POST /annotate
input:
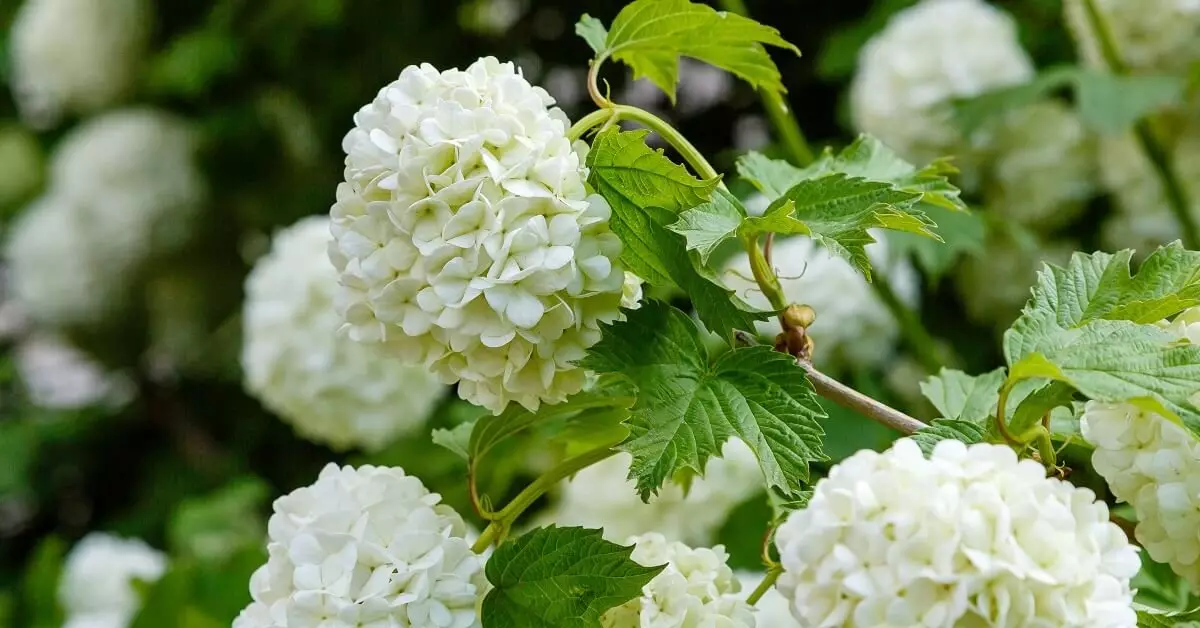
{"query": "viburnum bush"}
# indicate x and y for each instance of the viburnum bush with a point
(483, 235)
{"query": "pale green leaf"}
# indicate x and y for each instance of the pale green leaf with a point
(647, 192)
(1100, 286)
(456, 439)
(948, 429)
(1111, 103)
(560, 578)
(963, 397)
(709, 224)
(963, 233)
(651, 35)
(593, 32)
(687, 406)
(1148, 617)
(972, 113)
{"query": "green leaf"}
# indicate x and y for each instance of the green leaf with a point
(214, 526)
(1100, 286)
(961, 397)
(948, 429)
(1118, 361)
(1110, 103)
(963, 233)
(456, 439)
(560, 578)
(1156, 618)
(687, 407)
(709, 224)
(39, 586)
(647, 192)
(1030, 406)
(194, 61)
(651, 35)
(593, 32)
(972, 113)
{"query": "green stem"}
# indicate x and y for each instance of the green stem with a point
(504, 519)
(672, 136)
(764, 586)
(1157, 154)
(918, 339)
(764, 275)
(590, 121)
(777, 108)
(1001, 410)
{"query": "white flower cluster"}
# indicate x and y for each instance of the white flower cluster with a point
(97, 585)
(1143, 219)
(59, 376)
(366, 546)
(123, 189)
(332, 389)
(853, 326)
(75, 55)
(696, 589)
(927, 56)
(1042, 167)
(1153, 36)
(466, 239)
(967, 537)
(1153, 464)
(772, 610)
(602, 496)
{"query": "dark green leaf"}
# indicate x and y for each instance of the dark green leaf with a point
(215, 526)
(560, 578)
(40, 583)
(687, 407)
(593, 32)
(193, 61)
(651, 35)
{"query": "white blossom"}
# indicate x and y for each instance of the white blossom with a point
(927, 56)
(853, 327)
(1143, 219)
(466, 239)
(997, 283)
(96, 589)
(697, 589)
(772, 610)
(123, 190)
(59, 376)
(332, 389)
(1153, 36)
(967, 537)
(75, 56)
(1043, 166)
(366, 546)
(1153, 464)
(602, 496)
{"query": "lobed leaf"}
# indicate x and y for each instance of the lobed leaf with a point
(948, 429)
(961, 397)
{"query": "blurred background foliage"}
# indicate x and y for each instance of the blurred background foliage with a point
(189, 462)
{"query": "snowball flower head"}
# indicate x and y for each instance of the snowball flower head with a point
(75, 55)
(602, 496)
(1153, 464)
(366, 546)
(853, 327)
(1043, 165)
(696, 589)
(123, 190)
(927, 56)
(772, 610)
(97, 585)
(967, 537)
(466, 239)
(332, 389)
(1154, 36)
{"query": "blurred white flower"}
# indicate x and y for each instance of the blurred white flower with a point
(59, 376)
(602, 496)
(853, 327)
(996, 283)
(1043, 166)
(927, 56)
(1143, 219)
(75, 56)
(1153, 464)
(772, 610)
(465, 237)
(366, 546)
(96, 589)
(966, 537)
(696, 589)
(332, 389)
(701, 87)
(123, 190)
(1153, 36)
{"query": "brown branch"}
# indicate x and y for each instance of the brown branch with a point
(851, 399)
